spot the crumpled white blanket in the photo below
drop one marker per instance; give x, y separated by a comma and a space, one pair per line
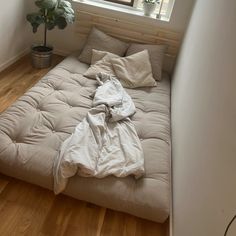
105, 142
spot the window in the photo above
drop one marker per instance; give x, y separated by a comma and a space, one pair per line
124, 2
135, 7
163, 9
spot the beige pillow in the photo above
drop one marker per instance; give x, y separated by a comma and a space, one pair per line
103, 42
156, 53
101, 62
134, 71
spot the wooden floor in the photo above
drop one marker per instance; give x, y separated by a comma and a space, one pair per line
26, 209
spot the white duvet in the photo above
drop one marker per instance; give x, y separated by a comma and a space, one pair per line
105, 142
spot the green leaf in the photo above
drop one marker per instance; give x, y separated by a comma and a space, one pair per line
35, 27
61, 22
69, 10
50, 25
70, 18
36, 19
59, 11
46, 4
65, 4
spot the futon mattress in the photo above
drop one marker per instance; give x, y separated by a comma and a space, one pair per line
34, 127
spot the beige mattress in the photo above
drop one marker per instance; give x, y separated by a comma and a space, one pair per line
33, 128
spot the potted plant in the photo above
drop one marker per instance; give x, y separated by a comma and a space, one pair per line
51, 13
149, 6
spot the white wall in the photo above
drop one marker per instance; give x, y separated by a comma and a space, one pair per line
15, 36
68, 40
204, 123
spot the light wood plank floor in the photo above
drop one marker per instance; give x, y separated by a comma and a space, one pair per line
26, 209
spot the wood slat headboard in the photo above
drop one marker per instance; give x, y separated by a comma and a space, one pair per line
129, 31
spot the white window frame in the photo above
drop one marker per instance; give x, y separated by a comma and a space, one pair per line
114, 1
128, 9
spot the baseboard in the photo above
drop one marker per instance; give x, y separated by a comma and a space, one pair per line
26, 51
14, 59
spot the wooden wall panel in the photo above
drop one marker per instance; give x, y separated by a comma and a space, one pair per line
129, 31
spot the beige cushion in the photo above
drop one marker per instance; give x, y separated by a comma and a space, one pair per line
134, 71
156, 53
103, 42
101, 62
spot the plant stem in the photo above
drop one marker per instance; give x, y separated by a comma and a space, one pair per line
45, 28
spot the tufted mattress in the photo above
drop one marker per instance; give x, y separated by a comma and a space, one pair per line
33, 128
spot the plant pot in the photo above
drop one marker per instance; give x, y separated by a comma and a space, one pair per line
41, 56
149, 8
